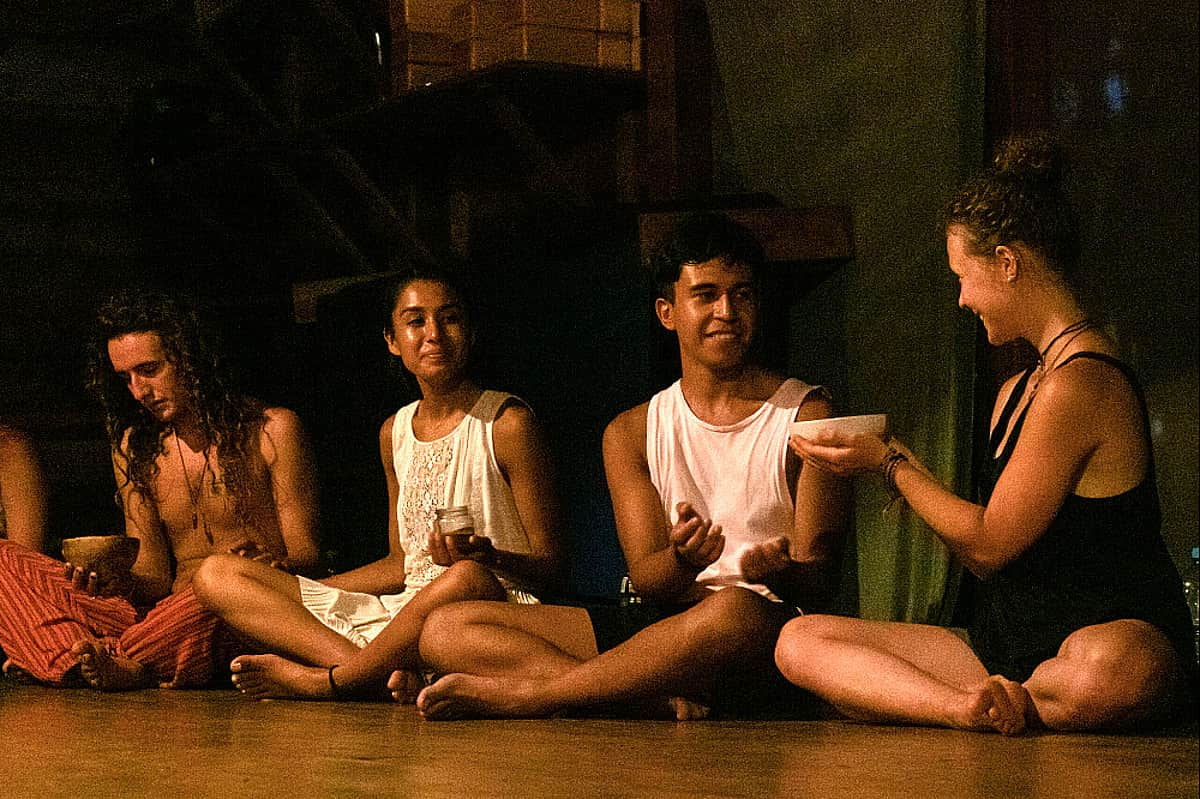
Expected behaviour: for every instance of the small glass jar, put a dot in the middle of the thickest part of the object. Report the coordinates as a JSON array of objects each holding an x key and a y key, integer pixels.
[{"x": 455, "y": 522}]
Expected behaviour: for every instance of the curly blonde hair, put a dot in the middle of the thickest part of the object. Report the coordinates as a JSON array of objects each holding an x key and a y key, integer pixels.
[{"x": 1021, "y": 197}]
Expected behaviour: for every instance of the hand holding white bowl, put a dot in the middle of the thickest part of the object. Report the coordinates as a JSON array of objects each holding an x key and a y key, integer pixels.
[{"x": 843, "y": 445}]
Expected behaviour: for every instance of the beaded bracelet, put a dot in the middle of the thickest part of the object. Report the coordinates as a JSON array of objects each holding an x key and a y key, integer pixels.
[{"x": 891, "y": 461}]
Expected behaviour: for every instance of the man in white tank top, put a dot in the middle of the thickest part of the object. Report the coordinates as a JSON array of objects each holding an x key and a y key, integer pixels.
[{"x": 723, "y": 532}]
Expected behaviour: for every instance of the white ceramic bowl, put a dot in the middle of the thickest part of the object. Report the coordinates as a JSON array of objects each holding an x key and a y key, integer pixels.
[{"x": 867, "y": 424}]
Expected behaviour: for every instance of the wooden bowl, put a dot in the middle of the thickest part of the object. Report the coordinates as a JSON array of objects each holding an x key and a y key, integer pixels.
[{"x": 106, "y": 555}]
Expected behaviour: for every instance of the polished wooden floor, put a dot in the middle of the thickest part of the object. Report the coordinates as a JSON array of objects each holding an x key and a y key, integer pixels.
[{"x": 80, "y": 743}]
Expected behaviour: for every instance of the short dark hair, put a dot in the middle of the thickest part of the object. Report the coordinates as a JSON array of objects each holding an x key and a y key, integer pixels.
[{"x": 701, "y": 237}]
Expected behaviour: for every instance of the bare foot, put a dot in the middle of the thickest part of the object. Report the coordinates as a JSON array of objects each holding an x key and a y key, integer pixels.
[
  {"x": 671, "y": 708},
  {"x": 107, "y": 671},
  {"x": 17, "y": 674},
  {"x": 687, "y": 710},
  {"x": 404, "y": 686},
  {"x": 997, "y": 704},
  {"x": 464, "y": 696},
  {"x": 274, "y": 677}
]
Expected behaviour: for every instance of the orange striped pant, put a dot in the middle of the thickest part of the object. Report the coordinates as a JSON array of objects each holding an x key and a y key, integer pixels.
[{"x": 42, "y": 616}]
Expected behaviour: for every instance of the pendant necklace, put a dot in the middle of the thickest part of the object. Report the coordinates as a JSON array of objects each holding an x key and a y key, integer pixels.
[
  {"x": 194, "y": 496},
  {"x": 1043, "y": 368}
]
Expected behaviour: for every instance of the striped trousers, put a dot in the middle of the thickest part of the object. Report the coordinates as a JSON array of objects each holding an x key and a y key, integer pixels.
[{"x": 42, "y": 616}]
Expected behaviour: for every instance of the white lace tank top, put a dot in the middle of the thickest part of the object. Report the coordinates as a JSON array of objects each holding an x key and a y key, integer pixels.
[{"x": 459, "y": 468}]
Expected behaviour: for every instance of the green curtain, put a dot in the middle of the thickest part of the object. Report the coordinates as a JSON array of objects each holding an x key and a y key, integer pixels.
[{"x": 905, "y": 572}]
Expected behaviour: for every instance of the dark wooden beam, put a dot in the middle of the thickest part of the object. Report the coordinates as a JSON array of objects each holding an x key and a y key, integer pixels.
[{"x": 788, "y": 235}]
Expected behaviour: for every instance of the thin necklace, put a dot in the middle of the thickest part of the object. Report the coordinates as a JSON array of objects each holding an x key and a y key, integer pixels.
[
  {"x": 194, "y": 495},
  {"x": 1043, "y": 368}
]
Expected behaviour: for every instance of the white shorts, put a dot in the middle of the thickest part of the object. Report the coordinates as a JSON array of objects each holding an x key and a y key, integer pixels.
[{"x": 360, "y": 617}]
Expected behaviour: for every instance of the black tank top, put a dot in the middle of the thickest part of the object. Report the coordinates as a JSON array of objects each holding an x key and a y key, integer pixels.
[{"x": 1101, "y": 559}]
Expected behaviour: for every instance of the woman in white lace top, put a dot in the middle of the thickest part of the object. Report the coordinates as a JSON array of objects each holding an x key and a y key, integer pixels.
[{"x": 459, "y": 445}]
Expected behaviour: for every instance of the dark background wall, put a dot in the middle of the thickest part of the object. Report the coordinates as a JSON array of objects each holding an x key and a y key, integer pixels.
[{"x": 230, "y": 154}]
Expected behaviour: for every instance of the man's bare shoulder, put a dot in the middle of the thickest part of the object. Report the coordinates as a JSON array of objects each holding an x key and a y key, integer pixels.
[
  {"x": 628, "y": 429},
  {"x": 761, "y": 384},
  {"x": 277, "y": 418},
  {"x": 282, "y": 429},
  {"x": 817, "y": 404}
]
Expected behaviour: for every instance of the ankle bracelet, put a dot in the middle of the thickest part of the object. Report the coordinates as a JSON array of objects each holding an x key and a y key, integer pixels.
[{"x": 333, "y": 686}]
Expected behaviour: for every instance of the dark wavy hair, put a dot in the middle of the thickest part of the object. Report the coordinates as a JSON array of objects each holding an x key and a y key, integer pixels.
[
  {"x": 1021, "y": 197},
  {"x": 702, "y": 237},
  {"x": 229, "y": 420}
]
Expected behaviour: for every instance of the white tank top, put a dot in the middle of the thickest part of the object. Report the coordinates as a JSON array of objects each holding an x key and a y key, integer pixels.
[
  {"x": 459, "y": 468},
  {"x": 734, "y": 474}
]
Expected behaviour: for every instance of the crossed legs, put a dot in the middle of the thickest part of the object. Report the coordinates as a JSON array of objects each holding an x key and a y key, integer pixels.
[
  {"x": 265, "y": 605},
  {"x": 1103, "y": 676},
  {"x": 541, "y": 660},
  {"x": 895, "y": 672},
  {"x": 1110, "y": 676}
]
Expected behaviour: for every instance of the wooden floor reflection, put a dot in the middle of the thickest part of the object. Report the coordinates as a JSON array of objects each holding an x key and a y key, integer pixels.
[{"x": 57, "y": 743}]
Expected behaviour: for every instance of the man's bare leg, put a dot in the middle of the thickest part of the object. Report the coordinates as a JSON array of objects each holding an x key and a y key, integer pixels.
[
  {"x": 105, "y": 670},
  {"x": 495, "y": 638},
  {"x": 898, "y": 673},
  {"x": 1109, "y": 676},
  {"x": 364, "y": 671},
  {"x": 678, "y": 656}
]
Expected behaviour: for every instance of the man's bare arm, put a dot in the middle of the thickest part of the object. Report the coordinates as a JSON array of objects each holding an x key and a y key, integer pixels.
[
  {"x": 294, "y": 487},
  {"x": 152, "y": 571},
  {"x": 22, "y": 491},
  {"x": 802, "y": 568},
  {"x": 660, "y": 569}
]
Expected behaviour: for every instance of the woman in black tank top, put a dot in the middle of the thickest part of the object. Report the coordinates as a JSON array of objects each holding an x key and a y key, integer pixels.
[{"x": 1079, "y": 620}]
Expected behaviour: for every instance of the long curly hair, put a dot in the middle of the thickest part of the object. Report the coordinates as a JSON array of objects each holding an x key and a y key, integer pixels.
[
  {"x": 1021, "y": 197},
  {"x": 229, "y": 420}
]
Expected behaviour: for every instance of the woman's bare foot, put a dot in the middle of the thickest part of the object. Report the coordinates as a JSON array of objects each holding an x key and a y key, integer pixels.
[
  {"x": 404, "y": 686},
  {"x": 105, "y": 670},
  {"x": 274, "y": 677},
  {"x": 997, "y": 704},
  {"x": 465, "y": 696}
]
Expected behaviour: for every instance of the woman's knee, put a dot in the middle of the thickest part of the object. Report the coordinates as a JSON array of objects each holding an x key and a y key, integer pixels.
[
  {"x": 798, "y": 639},
  {"x": 215, "y": 576},
  {"x": 473, "y": 580},
  {"x": 1110, "y": 675}
]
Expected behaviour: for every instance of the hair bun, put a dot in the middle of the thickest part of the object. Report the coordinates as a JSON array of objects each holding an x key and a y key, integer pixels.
[{"x": 1030, "y": 157}]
